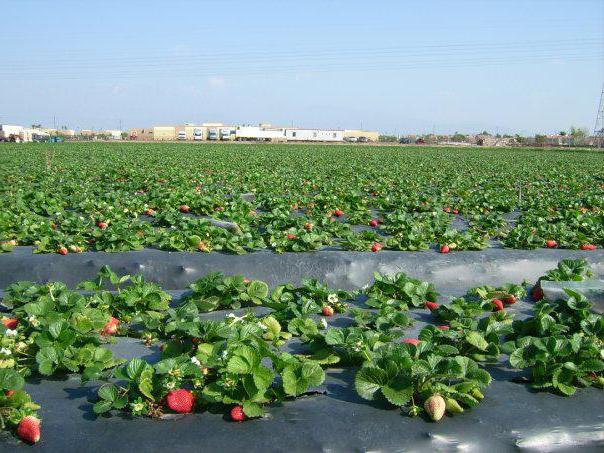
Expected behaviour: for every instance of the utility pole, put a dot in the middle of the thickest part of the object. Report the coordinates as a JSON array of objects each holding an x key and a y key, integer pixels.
[{"x": 599, "y": 127}]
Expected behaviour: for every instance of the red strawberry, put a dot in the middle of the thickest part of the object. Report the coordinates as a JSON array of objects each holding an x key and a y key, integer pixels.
[
  {"x": 413, "y": 341},
  {"x": 291, "y": 236},
  {"x": 509, "y": 299},
  {"x": 9, "y": 393},
  {"x": 246, "y": 280},
  {"x": 588, "y": 247},
  {"x": 184, "y": 208},
  {"x": 447, "y": 209},
  {"x": 443, "y": 327},
  {"x": 62, "y": 251},
  {"x": 455, "y": 211},
  {"x": 497, "y": 305},
  {"x": 237, "y": 414},
  {"x": 327, "y": 311},
  {"x": 376, "y": 247},
  {"x": 338, "y": 212},
  {"x": 111, "y": 327},
  {"x": 431, "y": 305},
  {"x": 536, "y": 293},
  {"x": 29, "y": 429},
  {"x": 374, "y": 222},
  {"x": 10, "y": 323},
  {"x": 149, "y": 212},
  {"x": 444, "y": 248},
  {"x": 180, "y": 401},
  {"x": 551, "y": 244},
  {"x": 102, "y": 225}
]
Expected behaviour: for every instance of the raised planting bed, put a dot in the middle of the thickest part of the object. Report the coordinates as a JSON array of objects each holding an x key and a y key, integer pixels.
[{"x": 528, "y": 376}]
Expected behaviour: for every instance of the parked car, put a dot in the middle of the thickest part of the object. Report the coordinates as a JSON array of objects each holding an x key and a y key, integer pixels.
[
  {"x": 363, "y": 140},
  {"x": 350, "y": 139}
]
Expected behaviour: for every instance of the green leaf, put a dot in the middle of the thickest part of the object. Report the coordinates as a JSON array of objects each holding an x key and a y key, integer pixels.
[
  {"x": 10, "y": 380},
  {"x": 368, "y": 381},
  {"x": 252, "y": 410},
  {"x": 477, "y": 340},
  {"x": 108, "y": 392},
  {"x": 102, "y": 406}
]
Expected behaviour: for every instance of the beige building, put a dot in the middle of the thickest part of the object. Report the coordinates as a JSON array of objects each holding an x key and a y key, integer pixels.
[
  {"x": 371, "y": 135},
  {"x": 161, "y": 133}
]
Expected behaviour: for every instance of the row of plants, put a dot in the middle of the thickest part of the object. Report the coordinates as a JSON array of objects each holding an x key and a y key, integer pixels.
[
  {"x": 118, "y": 197},
  {"x": 238, "y": 364}
]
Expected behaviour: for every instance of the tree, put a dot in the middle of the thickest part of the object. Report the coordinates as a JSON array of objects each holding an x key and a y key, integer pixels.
[
  {"x": 578, "y": 136},
  {"x": 539, "y": 139},
  {"x": 484, "y": 133},
  {"x": 562, "y": 133},
  {"x": 457, "y": 137}
]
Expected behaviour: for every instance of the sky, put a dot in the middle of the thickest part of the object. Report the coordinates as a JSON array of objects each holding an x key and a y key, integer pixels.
[{"x": 507, "y": 66}]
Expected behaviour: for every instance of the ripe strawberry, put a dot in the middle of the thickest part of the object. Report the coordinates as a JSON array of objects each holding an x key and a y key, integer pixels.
[
  {"x": 9, "y": 393},
  {"x": 373, "y": 223},
  {"x": 509, "y": 299},
  {"x": 184, "y": 208},
  {"x": 62, "y": 251},
  {"x": 431, "y": 305},
  {"x": 291, "y": 236},
  {"x": 443, "y": 327},
  {"x": 237, "y": 414},
  {"x": 327, "y": 311},
  {"x": 444, "y": 248},
  {"x": 376, "y": 247},
  {"x": 338, "y": 212},
  {"x": 455, "y": 211},
  {"x": 149, "y": 212},
  {"x": 10, "y": 323},
  {"x": 551, "y": 244},
  {"x": 536, "y": 293},
  {"x": 447, "y": 209},
  {"x": 29, "y": 429},
  {"x": 435, "y": 407},
  {"x": 111, "y": 327},
  {"x": 588, "y": 247},
  {"x": 413, "y": 341},
  {"x": 180, "y": 401},
  {"x": 497, "y": 305},
  {"x": 102, "y": 225}
]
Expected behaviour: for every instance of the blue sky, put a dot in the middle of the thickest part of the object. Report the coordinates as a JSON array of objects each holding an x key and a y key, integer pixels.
[{"x": 396, "y": 66}]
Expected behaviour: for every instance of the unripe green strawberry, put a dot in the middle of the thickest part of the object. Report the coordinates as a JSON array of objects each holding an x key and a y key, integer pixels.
[
  {"x": 453, "y": 406},
  {"x": 477, "y": 394},
  {"x": 435, "y": 407}
]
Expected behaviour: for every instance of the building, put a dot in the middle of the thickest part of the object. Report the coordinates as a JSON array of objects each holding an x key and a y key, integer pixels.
[
  {"x": 113, "y": 134},
  {"x": 10, "y": 133},
  {"x": 313, "y": 135},
  {"x": 371, "y": 136},
  {"x": 140, "y": 134},
  {"x": 161, "y": 133},
  {"x": 260, "y": 133}
]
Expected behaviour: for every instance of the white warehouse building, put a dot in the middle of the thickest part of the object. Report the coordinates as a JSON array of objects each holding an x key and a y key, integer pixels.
[
  {"x": 314, "y": 135},
  {"x": 259, "y": 133}
]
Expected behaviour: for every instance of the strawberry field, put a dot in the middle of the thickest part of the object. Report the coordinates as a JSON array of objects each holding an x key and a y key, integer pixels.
[
  {"x": 156, "y": 296},
  {"x": 243, "y": 198}
]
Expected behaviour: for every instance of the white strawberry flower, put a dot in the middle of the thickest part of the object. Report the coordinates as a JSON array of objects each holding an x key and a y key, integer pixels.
[
  {"x": 10, "y": 333},
  {"x": 332, "y": 298},
  {"x": 195, "y": 361},
  {"x": 262, "y": 326},
  {"x": 5, "y": 351},
  {"x": 323, "y": 323}
]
